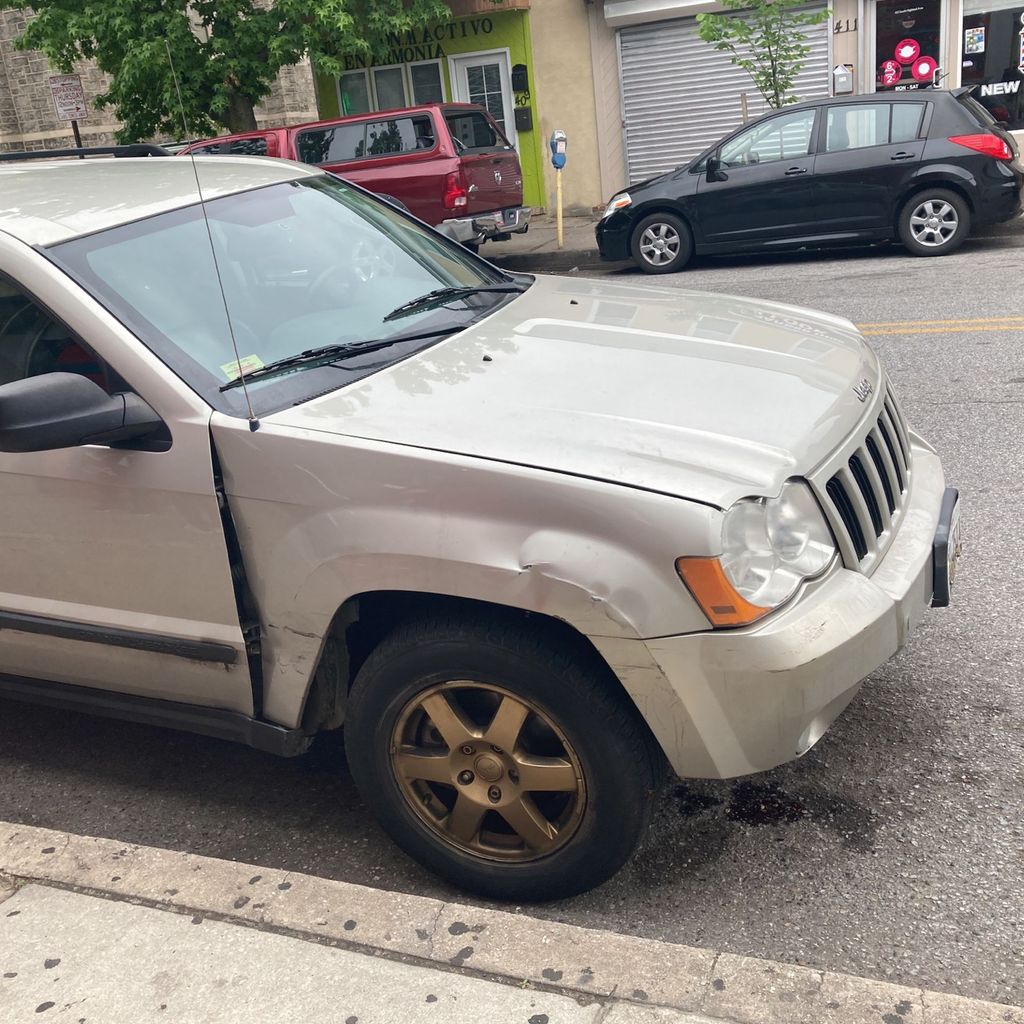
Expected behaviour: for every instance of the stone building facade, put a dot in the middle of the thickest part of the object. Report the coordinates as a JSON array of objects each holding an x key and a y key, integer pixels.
[{"x": 28, "y": 120}]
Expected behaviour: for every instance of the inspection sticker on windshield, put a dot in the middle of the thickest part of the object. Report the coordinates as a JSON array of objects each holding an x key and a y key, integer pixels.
[{"x": 234, "y": 370}]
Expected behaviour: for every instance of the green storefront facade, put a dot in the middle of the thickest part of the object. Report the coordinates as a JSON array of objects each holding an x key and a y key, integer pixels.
[{"x": 485, "y": 59}]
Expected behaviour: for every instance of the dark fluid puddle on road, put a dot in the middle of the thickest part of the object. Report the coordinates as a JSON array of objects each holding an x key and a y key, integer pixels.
[
  {"x": 766, "y": 804},
  {"x": 755, "y": 803}
]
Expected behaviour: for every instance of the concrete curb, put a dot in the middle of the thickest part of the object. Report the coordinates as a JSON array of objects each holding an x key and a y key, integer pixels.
[
  {"x": 559, "y": 957},
  {"x": 551, "y": 261}
]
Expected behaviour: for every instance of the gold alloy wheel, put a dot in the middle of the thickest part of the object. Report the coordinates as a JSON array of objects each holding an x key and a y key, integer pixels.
[{"x": 488, "y": 771}]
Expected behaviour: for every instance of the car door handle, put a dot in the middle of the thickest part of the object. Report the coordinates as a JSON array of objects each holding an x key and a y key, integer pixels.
[
  {"x": 902, "y": 156},
  {"x": 793, "y": 171}
]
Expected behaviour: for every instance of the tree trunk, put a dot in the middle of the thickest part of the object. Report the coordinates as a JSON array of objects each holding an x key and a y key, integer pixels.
[{"x": 239, "y": 116}]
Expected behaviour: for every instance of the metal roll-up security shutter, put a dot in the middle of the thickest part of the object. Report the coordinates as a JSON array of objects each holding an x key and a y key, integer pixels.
[{"x": 679, "y": 94}]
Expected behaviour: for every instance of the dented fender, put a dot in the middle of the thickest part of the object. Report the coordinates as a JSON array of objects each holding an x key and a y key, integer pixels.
[{"x": 336, "y": 517}]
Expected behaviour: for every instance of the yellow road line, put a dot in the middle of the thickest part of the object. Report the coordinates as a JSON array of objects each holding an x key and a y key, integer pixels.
[
  {"x": 946, "y": 323},
  {"x": 913, "y": 329}
]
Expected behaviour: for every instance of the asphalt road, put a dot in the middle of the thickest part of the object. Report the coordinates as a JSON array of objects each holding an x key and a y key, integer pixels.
[{"x": 894, "y": 849}]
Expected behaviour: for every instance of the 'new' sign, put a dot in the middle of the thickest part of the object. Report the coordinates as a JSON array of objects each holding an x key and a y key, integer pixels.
[{"x": 1000, "y": 89}]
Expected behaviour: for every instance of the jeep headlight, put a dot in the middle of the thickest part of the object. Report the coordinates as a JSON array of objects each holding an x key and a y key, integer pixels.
[
  {"x": 769, "y": 547},
  {"x": 619, "y": 202}
]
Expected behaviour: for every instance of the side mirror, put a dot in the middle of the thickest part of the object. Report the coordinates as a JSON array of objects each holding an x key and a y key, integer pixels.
[
  {"x": 714, "y": 169},
  {"x": 65, "y": 410}
]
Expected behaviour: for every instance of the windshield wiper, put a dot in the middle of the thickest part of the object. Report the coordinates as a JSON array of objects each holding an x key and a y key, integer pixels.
[
  {"x": 440, "y": 296},
  {"x": 325, "y": 354}
]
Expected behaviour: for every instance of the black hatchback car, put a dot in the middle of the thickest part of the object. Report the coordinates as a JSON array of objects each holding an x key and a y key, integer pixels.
[{"x": 924, "y": 167}]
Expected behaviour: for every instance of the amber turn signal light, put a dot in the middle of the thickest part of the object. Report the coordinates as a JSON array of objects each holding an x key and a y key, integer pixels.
[{"x": 706, "y": 580}]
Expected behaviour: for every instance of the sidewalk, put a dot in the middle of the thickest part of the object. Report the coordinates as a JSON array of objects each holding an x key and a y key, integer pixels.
[
  {"x": 96, "y": 932},
  {"x": 538, "y": 250}
]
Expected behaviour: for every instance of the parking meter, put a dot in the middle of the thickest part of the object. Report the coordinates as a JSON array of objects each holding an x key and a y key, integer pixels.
[{"x": 558, "y": 142}]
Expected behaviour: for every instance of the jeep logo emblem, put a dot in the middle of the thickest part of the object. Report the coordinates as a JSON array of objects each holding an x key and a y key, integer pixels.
[{"x": 862, "y": 389}]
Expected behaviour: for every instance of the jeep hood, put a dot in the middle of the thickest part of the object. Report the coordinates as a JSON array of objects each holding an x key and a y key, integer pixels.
[{"x": 704, "y": 396}]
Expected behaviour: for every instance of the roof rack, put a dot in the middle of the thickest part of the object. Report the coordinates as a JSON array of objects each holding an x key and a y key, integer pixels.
[{"x": 138, "y": 149}]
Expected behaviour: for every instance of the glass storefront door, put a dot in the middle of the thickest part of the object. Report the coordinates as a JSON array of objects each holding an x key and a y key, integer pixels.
[
  {"x": 993, "y": 57},
  {"x": 908, "y": 43},
  {"x": 485, "y": 79}
]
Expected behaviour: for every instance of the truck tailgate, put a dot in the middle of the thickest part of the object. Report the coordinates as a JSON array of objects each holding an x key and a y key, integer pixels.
[{"x": 493, "y": 179}]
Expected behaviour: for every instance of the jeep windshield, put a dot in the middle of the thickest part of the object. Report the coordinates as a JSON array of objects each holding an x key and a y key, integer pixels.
[{"x": 311, "y": 264}]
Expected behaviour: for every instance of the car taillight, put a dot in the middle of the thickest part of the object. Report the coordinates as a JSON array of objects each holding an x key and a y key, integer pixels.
[
  {"x": 990, "y": 145},
  {"x": 455, "y": 194}
]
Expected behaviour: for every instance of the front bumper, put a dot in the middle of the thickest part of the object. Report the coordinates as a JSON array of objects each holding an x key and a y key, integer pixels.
[
  {"x": 743, "y": 701},
  {"x": 495, "y": 225},
  {"x": 612, "y": 234}
]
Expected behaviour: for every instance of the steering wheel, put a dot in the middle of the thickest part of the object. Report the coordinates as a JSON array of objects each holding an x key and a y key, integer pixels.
[{"x": 368, "y": 261}]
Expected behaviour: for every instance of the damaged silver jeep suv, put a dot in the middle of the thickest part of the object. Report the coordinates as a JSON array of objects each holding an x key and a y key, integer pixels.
[{"x": 285, "y": 460}]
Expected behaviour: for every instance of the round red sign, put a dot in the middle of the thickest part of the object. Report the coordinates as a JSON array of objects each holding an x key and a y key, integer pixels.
[
  {"x": 891, "y": 72},
  {"x": 907, "y": 51},
  {"x": 924, "y": 69}
]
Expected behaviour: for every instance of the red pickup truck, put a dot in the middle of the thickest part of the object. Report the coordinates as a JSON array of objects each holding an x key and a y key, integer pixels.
[{"x": 448, "y": 163}]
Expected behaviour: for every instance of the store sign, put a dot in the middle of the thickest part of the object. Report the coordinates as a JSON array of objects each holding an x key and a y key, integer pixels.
[
  {"x": 1000, "y": 89},
  {"x": 891, "y": 72},
  {"x": 924, "y": 69},
  {"x": 421, "y": 44},
  {"x": 907, "y": 51}
]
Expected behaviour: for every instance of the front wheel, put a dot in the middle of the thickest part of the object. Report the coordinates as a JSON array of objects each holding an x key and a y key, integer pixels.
[
  {"x": 934, "y": 222},
  {"x": 502, "y": 760},
  {"x": 661, "y": 243}
]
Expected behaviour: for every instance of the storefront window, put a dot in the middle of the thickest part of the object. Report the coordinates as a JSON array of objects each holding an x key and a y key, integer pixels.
[
  {"x": 427, "y": 86},
  {"x": 389, "y": 86},
  {"x": 354, "y": 93},
  {"x": 907, "y": 43},
  {"x": 993, "y": 42}
]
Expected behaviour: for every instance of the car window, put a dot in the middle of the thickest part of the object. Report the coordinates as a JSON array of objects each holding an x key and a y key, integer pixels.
[
  {"x": 33, "y": 342},
  {"x": 333, "y": 144},
  {"x": 906, "y": 121},
  {"x": 214, "y": 149},
  {"x": 255, "y": 146},
  {"x": 856, "y": 126},
  {"x": 472, "y": 129},
  {"x": 785, "y": 137},
  {"x": 399, "y": 135}
]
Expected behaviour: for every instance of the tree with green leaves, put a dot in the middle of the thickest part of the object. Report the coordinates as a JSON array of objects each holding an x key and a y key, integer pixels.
[
  {"x": 766, "y": 38},
  {"x": 226, "y": 53}
]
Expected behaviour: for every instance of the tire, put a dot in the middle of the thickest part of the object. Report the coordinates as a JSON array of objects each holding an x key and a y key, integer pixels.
[
  {"x": 583, "y": 735},
  {"x": 934, "y": 222},
  {"x": 661, "y": 243}
]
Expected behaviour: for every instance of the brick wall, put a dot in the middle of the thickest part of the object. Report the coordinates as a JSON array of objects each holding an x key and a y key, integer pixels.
[{"x": 28, "y": 120}]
